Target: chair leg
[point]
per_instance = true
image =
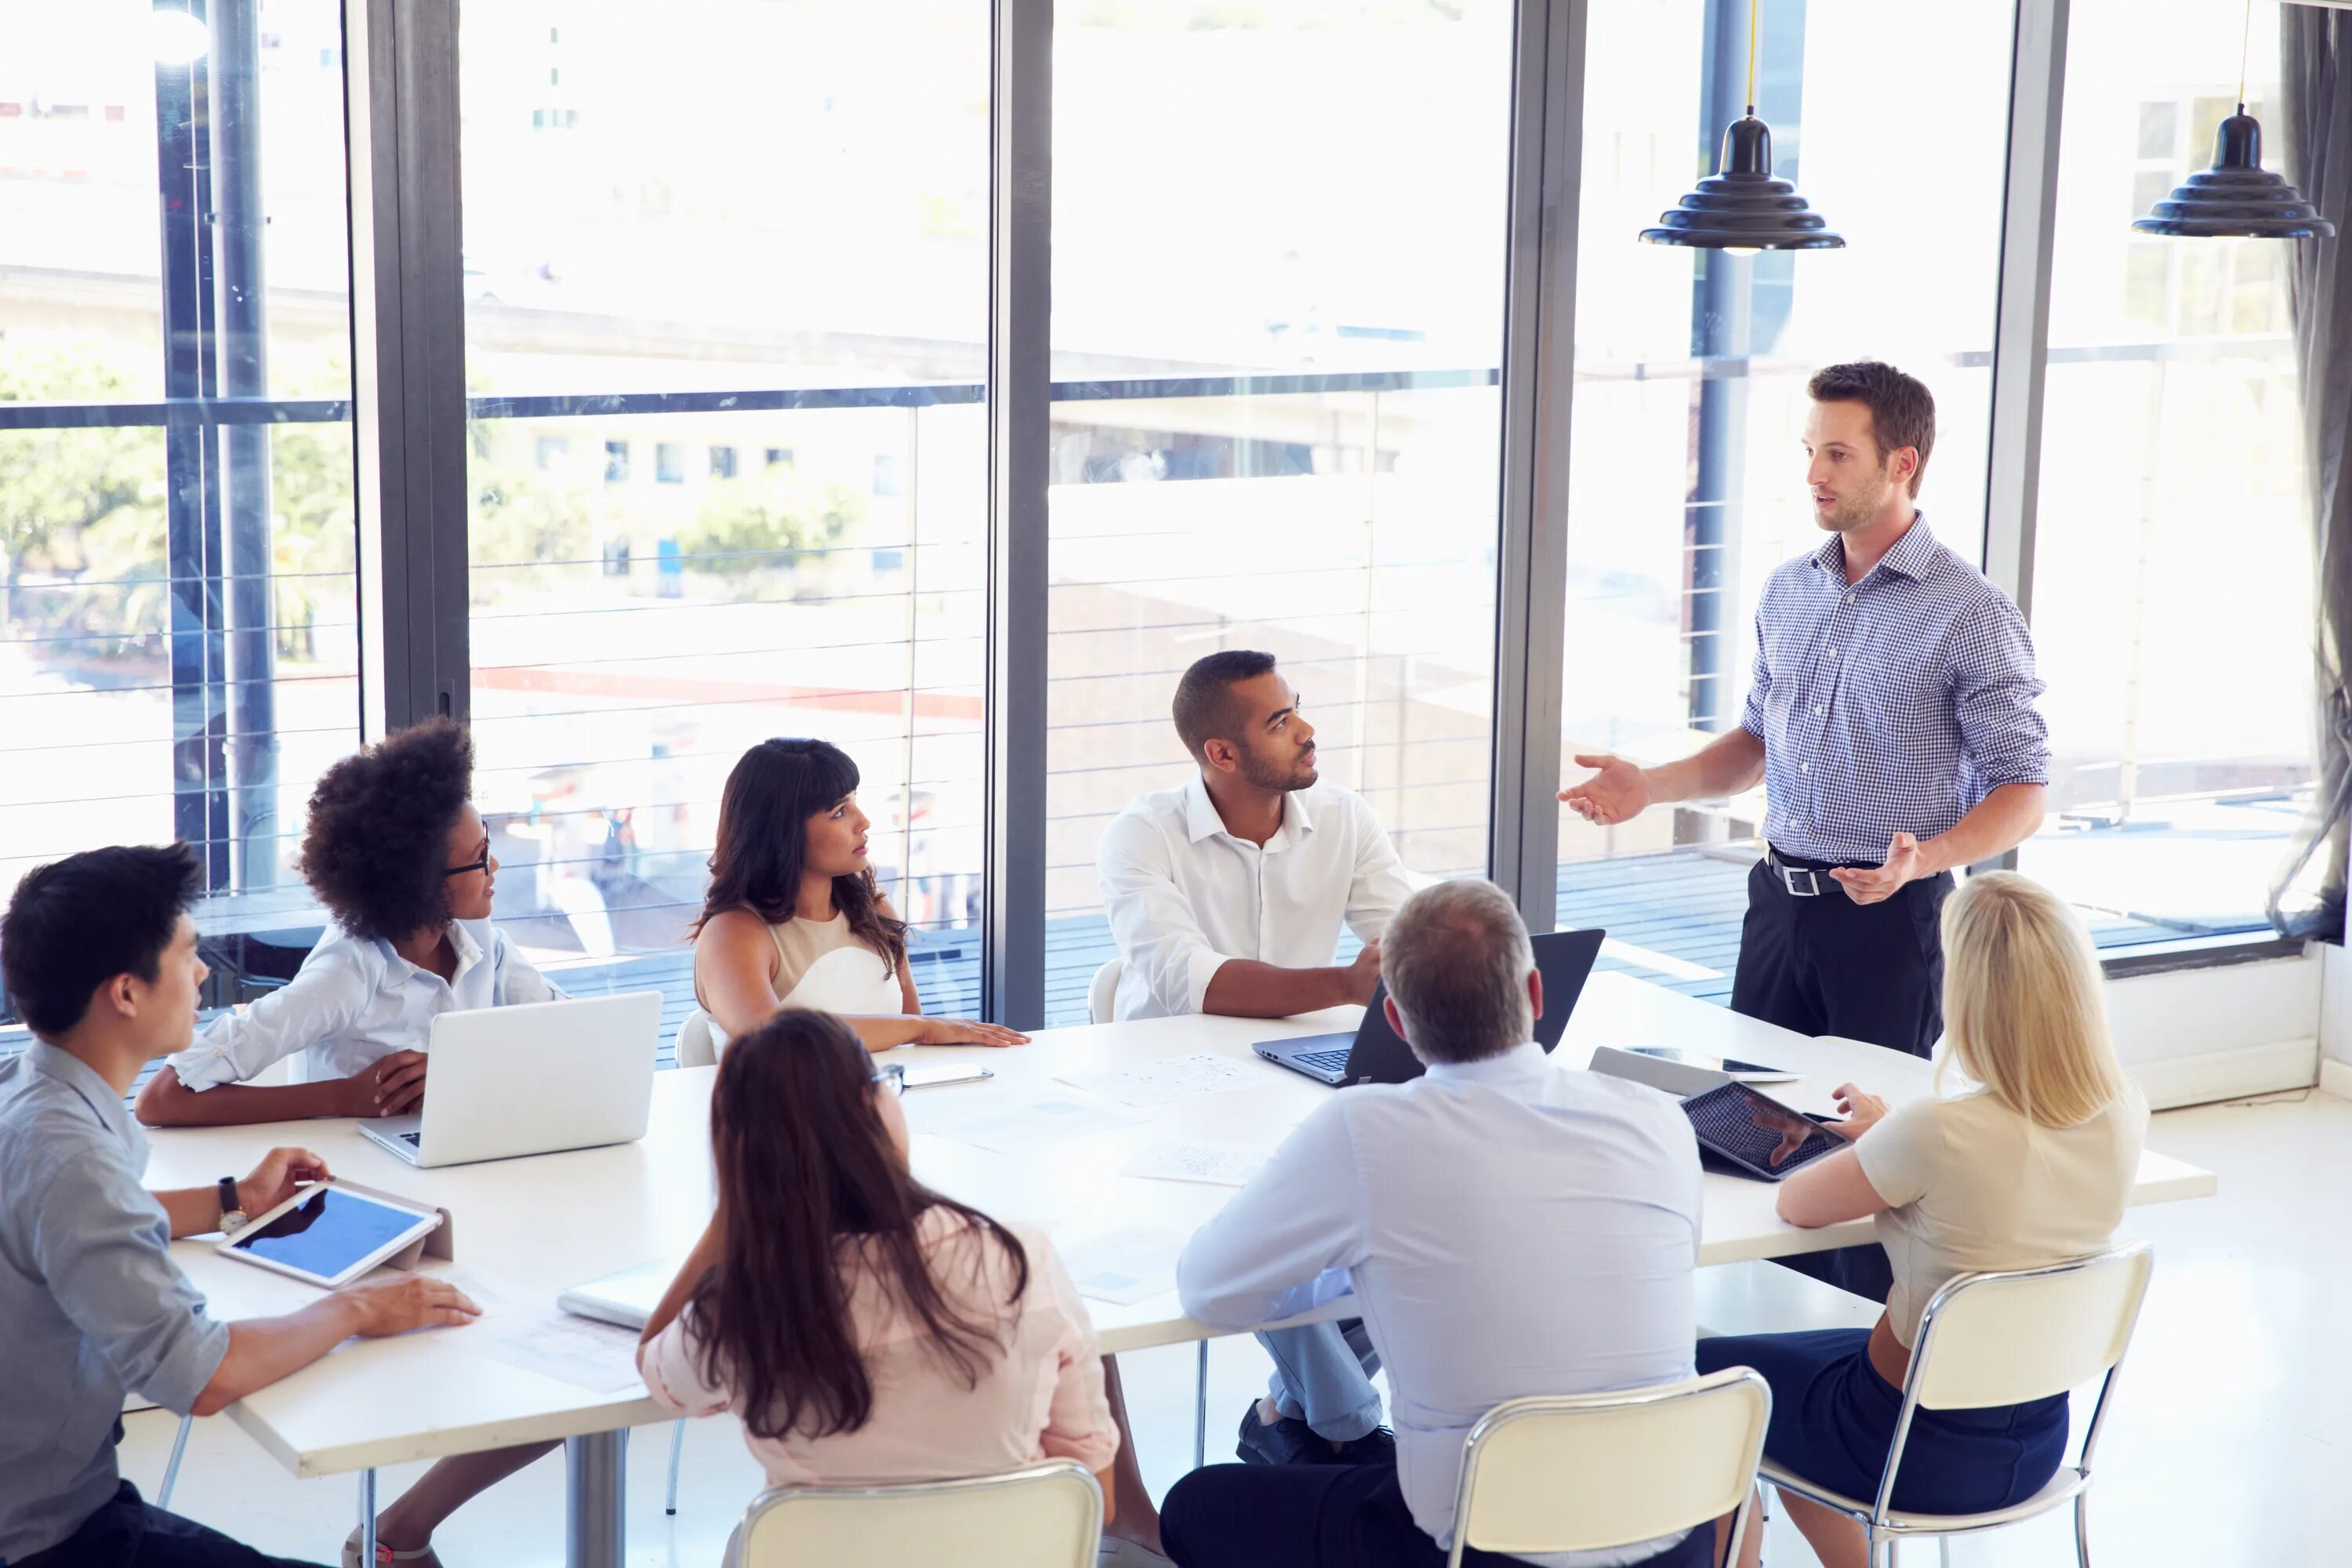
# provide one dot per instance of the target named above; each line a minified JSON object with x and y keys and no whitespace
{"x":677,"y":1447}
{"x":172,"y":1470}
{"x":2083,"y":1530}
{"x":1944,"y":1551}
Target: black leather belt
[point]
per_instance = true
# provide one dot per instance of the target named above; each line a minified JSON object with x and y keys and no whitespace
{"x":1810,"y":879}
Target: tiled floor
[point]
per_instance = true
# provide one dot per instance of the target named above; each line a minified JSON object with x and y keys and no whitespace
{"x":2227,"y":1445}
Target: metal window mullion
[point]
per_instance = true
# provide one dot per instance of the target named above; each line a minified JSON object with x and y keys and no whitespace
{"x":1539,"y":380}
{"x":2020,"y":341}
{"x":408,"y":358}
{"x":1019,"y":286}
{"x":2020,"y":346}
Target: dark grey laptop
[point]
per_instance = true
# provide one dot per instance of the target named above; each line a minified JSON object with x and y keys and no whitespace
{"x":1374,"y":1054}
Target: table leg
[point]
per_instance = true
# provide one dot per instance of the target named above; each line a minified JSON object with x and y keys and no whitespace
{"x":1201,"y":1410}
{"x":367,"y":1517}
{"x":595,"y":1526}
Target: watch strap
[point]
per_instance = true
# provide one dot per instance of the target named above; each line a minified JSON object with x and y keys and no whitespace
{"x":228,"y":1201}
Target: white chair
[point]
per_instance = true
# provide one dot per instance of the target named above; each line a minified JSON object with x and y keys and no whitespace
{"x":1102,"y":992}
{"x":1578,"y":1472}
{"x":697,"y":1040}
{"x":1047,"y":1516}
{"x":1998,"y":1338}
{"x":172,"y":1469}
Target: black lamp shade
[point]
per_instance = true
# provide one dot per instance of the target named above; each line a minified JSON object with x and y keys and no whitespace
{"x":1744,"y":207}
{"x":2237,"y":196}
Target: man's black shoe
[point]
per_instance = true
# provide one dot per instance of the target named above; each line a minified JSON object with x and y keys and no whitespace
{"x":1290,"y":1442}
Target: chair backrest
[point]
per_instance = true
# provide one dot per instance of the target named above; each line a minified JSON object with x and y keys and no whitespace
{"x":697,"y":1040}
{"x":1102,"y":992}
{"x":1997,"y":1339}
{"x":1573,"y":1472}
{"x":1047,"y":1516}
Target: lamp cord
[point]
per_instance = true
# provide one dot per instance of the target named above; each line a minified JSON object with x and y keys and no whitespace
{"x":1752,"y":59}
{"x":2245,"y":45}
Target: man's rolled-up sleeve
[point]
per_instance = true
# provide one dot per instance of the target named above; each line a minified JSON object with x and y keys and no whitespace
{"x":1160,"y":938}
{"x":1994,"y":688}
{"x":102,"y":1244}
{"x":1380,"y":881}
{"x":1759,"y":686}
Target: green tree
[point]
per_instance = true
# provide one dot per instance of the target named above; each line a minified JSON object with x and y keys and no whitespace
{"x":517,"y":523}
{"x":749,"y":529}
{"x":81,"y":504}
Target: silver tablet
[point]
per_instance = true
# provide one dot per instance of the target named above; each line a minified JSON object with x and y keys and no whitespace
{"x":329,"y":1235}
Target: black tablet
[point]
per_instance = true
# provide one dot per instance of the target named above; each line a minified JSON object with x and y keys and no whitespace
{"x":1761,"y":1136}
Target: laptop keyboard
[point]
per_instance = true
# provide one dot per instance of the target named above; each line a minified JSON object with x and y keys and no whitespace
{"x":1333,"y":1061}
{"x":413,"y":1140}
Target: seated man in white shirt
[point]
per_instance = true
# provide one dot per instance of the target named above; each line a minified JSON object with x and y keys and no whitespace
{"x":1507,"y":1229}
{"x":1227,"y":895}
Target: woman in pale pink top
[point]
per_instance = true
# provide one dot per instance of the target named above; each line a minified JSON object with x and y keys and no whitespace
{"x":865,"y":1327}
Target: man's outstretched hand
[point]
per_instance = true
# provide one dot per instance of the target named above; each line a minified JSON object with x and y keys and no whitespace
{"x":1618,"y":791}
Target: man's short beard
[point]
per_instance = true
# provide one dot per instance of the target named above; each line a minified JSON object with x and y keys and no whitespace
{"x":1847,"y":516}
{"x":1256,"y":771}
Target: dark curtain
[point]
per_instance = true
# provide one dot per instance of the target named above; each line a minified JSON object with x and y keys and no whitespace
{"x":2316,"y":57}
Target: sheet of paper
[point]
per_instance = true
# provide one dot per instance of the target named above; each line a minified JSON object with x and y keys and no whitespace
{"x":587,"y":1354}
{"x":1214,"y":1164}
{"x":1178,"y":1078}
{"x":1122,"y":1266}
{"x":1059,"y":1115}
{"x":537,"y":1336}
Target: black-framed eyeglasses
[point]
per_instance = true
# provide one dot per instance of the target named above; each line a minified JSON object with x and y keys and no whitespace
{"x":891,"y":1079}
{"x":480,"y":863}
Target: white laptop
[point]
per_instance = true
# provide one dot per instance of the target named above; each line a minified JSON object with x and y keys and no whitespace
{"x":628,"y":1298}
{"x":531,"y":1079}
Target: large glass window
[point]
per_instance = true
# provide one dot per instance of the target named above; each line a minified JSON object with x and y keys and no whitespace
{"x":177,"y":608}
{"x":760,"y":228}
{"x":1277,"y":318}
{"x":2172,"y":600}
{"x":1687,"y":477}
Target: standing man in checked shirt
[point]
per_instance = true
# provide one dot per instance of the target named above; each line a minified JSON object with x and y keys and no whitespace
{"x":1892,"y":720}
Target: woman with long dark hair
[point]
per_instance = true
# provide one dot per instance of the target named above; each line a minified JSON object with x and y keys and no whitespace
{"x":861,"y":1326}
{"x":795,"y":917}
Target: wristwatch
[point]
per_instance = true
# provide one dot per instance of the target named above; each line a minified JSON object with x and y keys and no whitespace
{"x":233,"y":1218}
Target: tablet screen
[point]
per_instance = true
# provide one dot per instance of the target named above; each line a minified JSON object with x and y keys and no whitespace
{"x":1735,"y":1120}
{"x":327,"y":1232}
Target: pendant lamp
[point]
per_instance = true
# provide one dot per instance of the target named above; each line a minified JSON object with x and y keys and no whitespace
{"x":2237,"y":196}
{"x":1742,"y":208}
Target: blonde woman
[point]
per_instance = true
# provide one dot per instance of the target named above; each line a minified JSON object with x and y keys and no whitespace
{"x":2031,"y":1168}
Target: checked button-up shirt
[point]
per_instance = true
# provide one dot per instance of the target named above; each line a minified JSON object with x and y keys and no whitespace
{"x":1893,"y":704}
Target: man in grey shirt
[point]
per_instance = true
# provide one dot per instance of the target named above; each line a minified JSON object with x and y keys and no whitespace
{"x":99,"y":958}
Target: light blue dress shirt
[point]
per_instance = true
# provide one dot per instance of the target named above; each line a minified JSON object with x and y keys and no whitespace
{"x":91,"y":1306}
{"x":1509,"y":1228}
{"x":354,"y":1002}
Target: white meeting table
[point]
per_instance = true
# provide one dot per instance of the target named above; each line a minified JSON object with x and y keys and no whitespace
{"x":535,"y":1227}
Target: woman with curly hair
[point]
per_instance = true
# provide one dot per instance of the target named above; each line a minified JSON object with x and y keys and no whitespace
{"x":795,"y":918}
{"x":400,"y":858}
{"x":398,"y":855}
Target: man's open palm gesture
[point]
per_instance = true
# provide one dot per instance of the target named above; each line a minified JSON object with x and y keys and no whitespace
{"x":1617,"y":793}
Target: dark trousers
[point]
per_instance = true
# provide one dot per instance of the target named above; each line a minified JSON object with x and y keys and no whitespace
{"x":129,"y":1534}
{"x":1827,"y":965}
{"x":1326,"y":1516}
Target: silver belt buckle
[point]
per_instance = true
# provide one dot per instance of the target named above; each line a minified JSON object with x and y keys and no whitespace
{"x":1789,"y":875}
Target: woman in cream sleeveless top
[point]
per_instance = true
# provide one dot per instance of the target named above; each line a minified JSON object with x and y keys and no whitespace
{"x":795,"y":917}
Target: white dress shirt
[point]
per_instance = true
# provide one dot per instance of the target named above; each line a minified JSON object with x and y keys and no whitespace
{"x":1509,"y":1228}
{"x":1185,"y":896}
{"x":354,"y":1002}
